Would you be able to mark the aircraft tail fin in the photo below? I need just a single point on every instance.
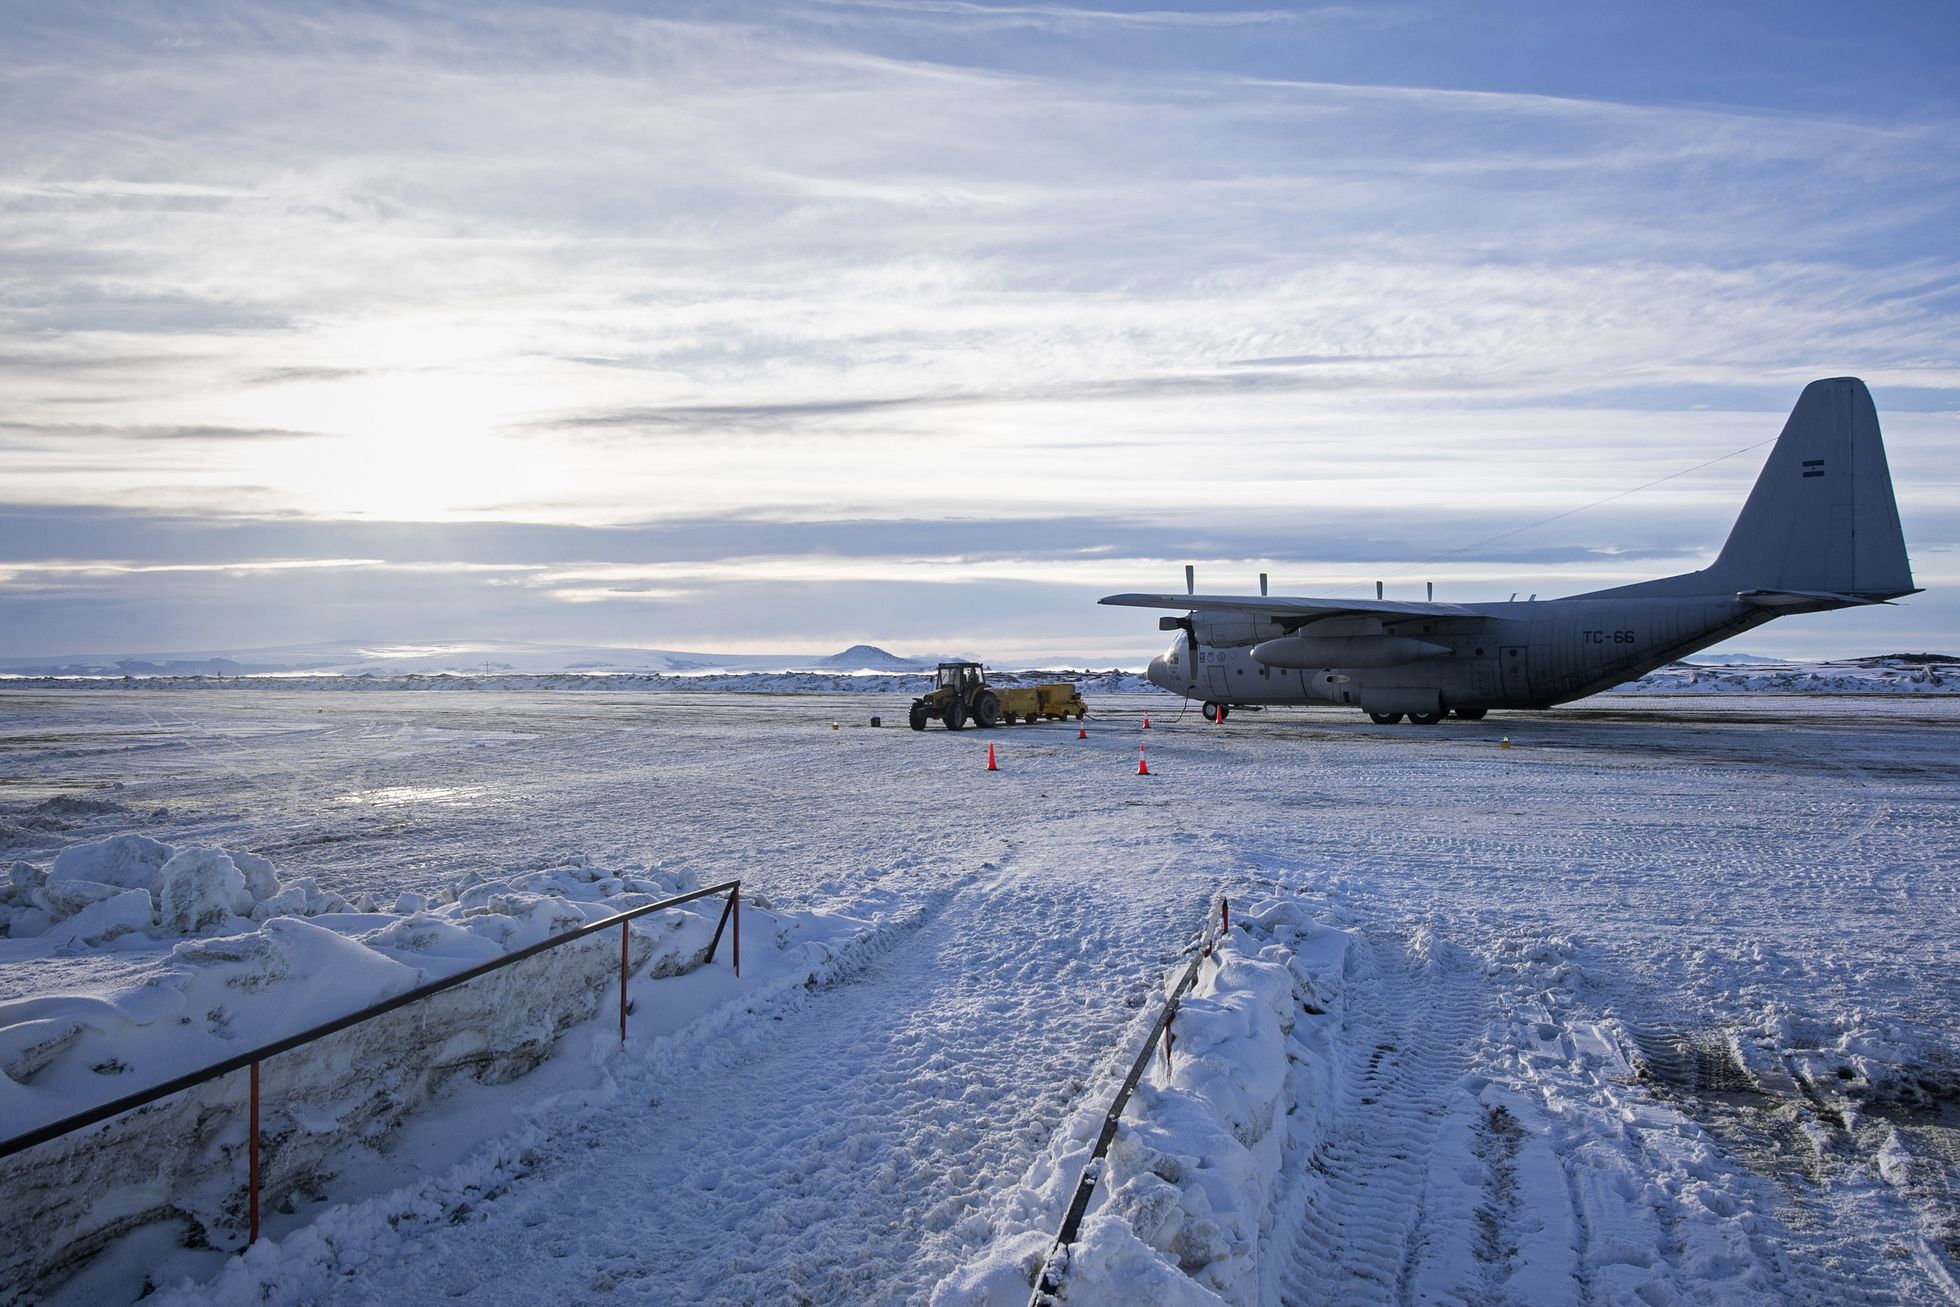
(1821, 520)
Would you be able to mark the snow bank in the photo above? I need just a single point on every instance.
(265, 960)
(104, 889)
(694, 1019)
(1893, 674)
(1188, 1188)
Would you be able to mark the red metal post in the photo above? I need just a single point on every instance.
(736, 893)
(622, 981)
(252, 1153)
(1225, 915)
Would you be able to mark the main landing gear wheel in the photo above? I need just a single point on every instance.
(1424, 718)
(918, 717)
(986, 708)
(1470, 714)
(1384, 718)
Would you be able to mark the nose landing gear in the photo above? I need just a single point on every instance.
(1216, 712)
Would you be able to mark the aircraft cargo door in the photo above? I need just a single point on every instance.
(1220, 680)
(1510, 661)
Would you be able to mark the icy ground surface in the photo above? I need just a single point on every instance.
(1654, 1005)
(878, 674)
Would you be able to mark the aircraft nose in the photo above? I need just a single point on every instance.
(1159, 674)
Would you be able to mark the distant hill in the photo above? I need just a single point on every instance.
(1709, 659)
(463, 657)
(870, 658)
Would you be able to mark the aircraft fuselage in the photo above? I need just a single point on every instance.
(1501, 655)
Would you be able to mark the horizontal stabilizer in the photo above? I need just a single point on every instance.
(1808, 600)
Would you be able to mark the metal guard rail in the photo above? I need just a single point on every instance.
(144, 1097)
(1049, 1283)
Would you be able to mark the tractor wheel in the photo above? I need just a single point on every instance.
(986, 708)
(1007, 719)
(919, 716)
(954, 716)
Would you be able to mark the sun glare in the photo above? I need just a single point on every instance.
(422, 443)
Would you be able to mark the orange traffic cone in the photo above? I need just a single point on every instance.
(1081, 732)
(1146, 721)
(1143, 768)
(990, 759)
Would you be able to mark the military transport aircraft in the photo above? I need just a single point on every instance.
(1819, 531)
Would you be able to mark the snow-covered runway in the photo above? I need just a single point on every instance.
(1656, 1001)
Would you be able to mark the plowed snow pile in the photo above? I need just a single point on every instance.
(234, 985)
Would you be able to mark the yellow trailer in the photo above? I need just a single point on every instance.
(1055, 701)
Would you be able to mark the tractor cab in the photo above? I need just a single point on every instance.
(961, 678)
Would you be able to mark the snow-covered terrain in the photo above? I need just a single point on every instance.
(1645, 999)
(1891, 674)
(907, 684)
(865, 670)
(457, 657)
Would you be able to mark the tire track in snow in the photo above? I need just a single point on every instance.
(1412, 1012)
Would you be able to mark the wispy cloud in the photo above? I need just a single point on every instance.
(866, 263)
(70, 432)
(1075, 16)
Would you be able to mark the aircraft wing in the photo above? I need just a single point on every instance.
(1285, 609)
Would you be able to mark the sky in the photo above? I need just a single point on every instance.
(925, 323)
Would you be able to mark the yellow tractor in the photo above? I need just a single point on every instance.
(960, 693)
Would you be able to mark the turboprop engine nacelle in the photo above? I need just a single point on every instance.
(1223, 630)
(1304, 651)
